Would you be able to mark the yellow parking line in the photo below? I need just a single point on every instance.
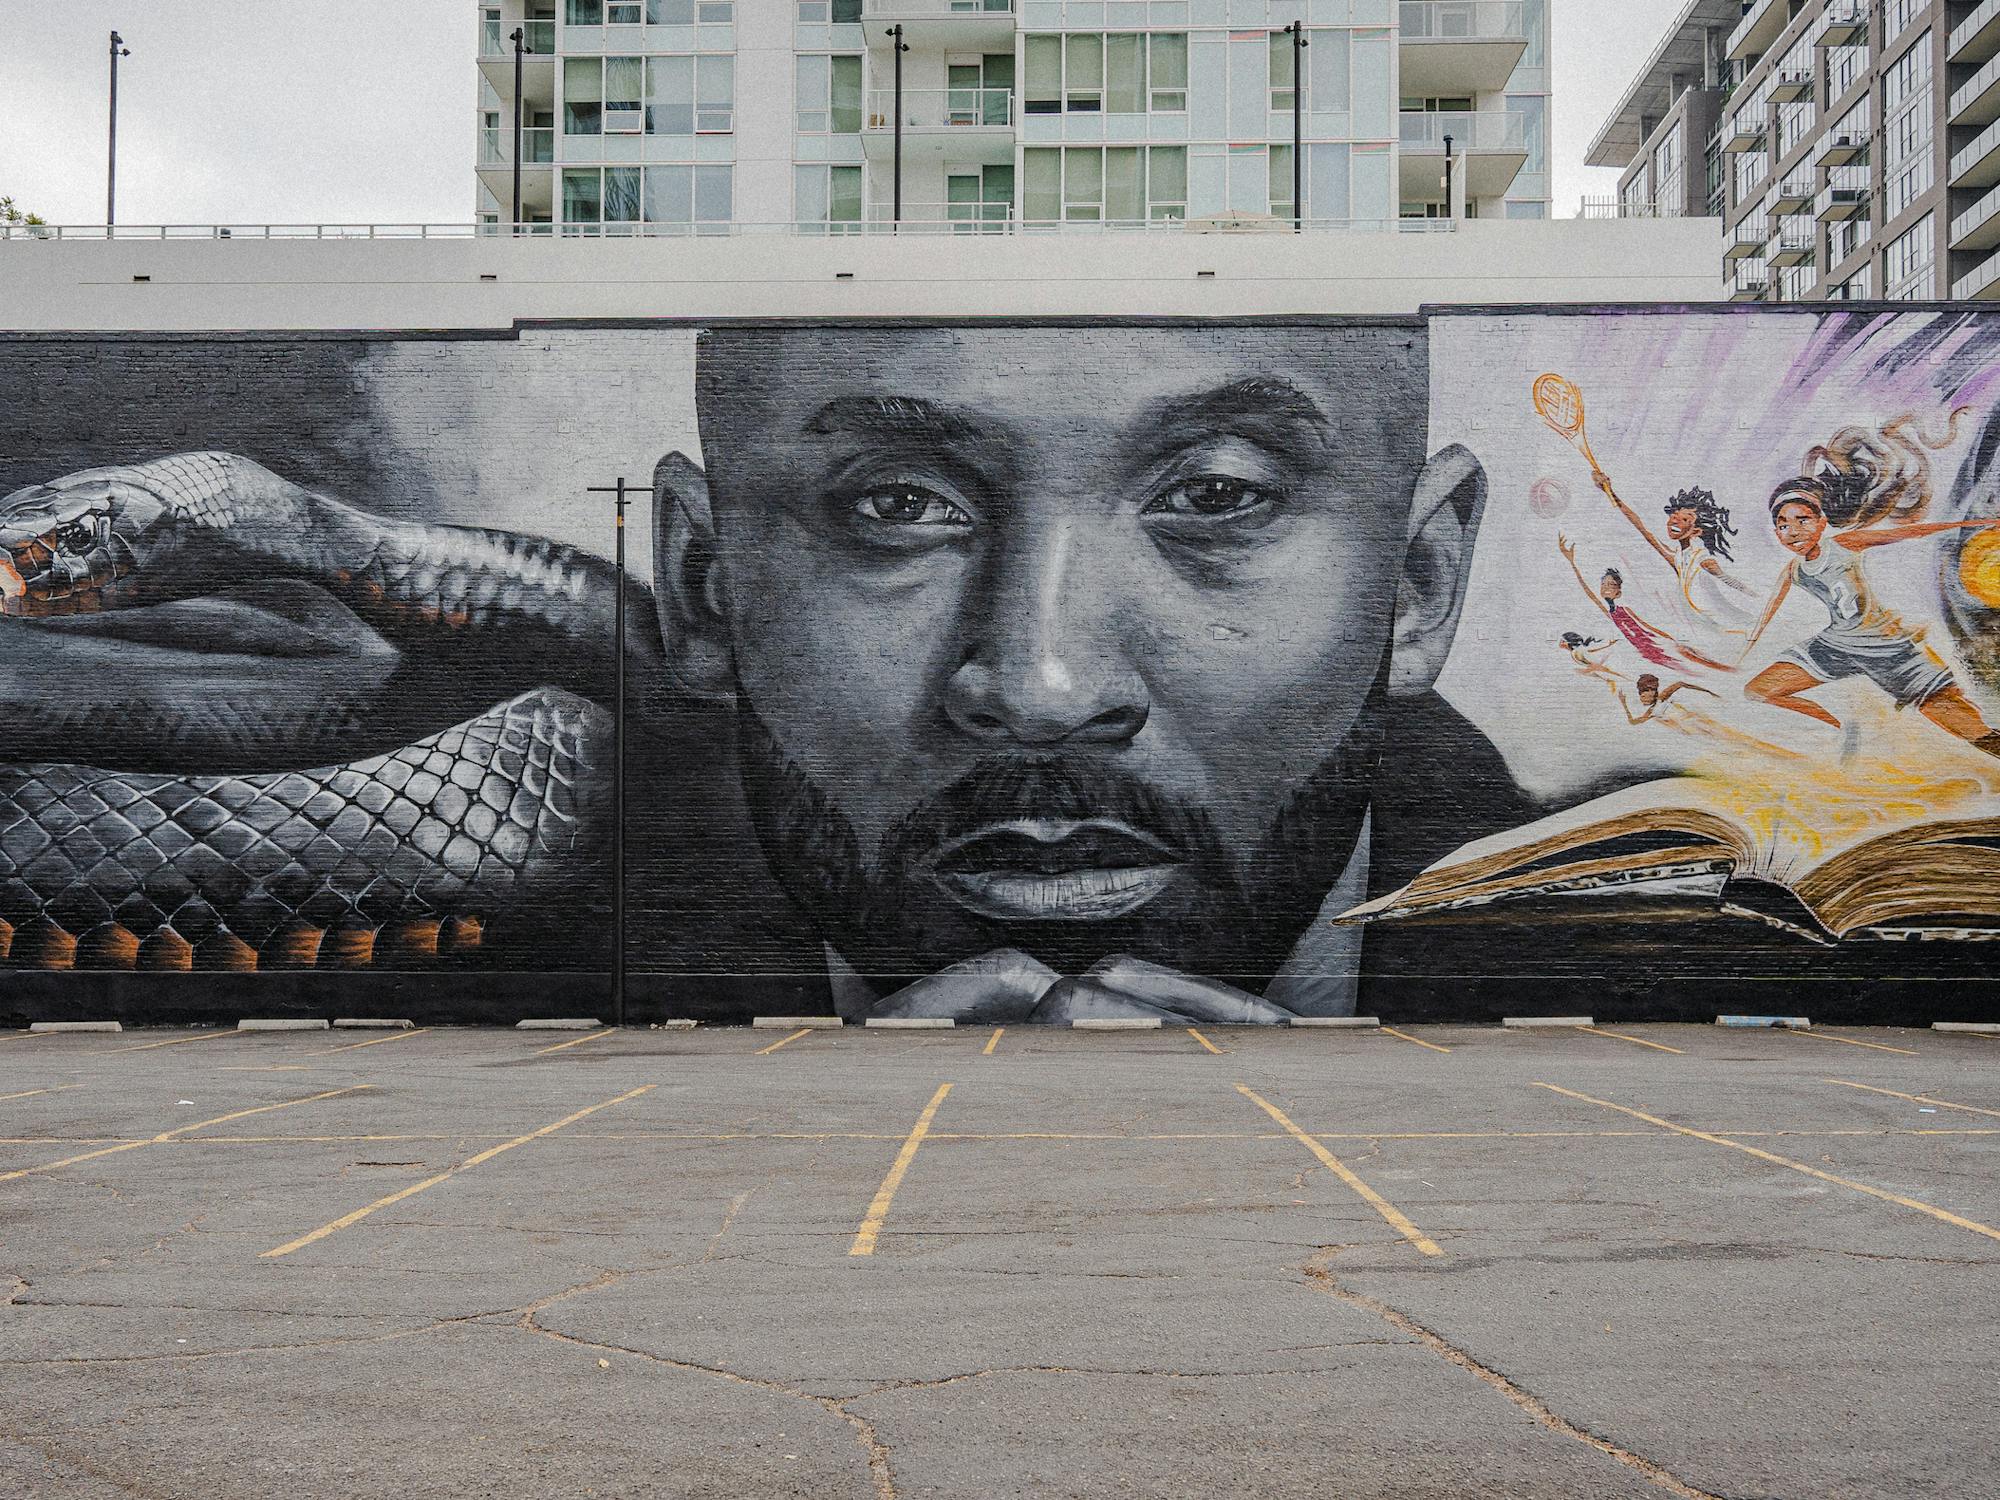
(345, 1220)
(180, 1041)
(175, 1134)
(1204, 1041)
(1971, 1109)
(992, 1041)
(1392, 1031)
(373, 1041)
(26, 1036)
(1784, 1161)
(266, 1068)
(1623, 1037)
(1828, 1036)
(1340, 1169)
(786, 1041)
(878, 1210)
(575, 1041)
(30, 1093)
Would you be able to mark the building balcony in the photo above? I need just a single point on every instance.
(1841, 150)
(943, 218)
(1489, 146)
(1794, 195)
(538, 75)
(1460, 47)
(1844, 23)
(1747, 130)
(1981, 283)
(1792, 86)
(1977, 162)
(954, 25)
(538, 146)
(1977, 100)
(1749, 282)
(1977, 37)
(968, 125)
(1760, 27)
(1795, 244)
(495, 39)
(1977, 226)
(1844, 197)
(1747, 239)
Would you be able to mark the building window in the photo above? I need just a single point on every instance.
(1845, 67)
(618, 200)
(1669, 184)
(1908, 133)
(827, 199)
(1910, 262)
(840, 12)
(688, 94)
(1118, 72)
(1897, 16)
(1116, 184)
(653, 12)
(828, 94)
(603, 95)
(1747, 174)
(1527, 210)
(1844, 237)
(1712, 179)
(1857, 288)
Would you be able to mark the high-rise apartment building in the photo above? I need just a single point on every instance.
(1851, 147)
(692, 116)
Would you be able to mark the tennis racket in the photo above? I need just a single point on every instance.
(1560, 404)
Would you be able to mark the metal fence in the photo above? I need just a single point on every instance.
(929, 224)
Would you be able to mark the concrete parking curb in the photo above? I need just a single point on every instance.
(677, 1023)
(47, 1026)
(280, 1023)
(372, 1023)
(558, 1023)
(796, 1023)
(1787, 1023)
(1977, 1028)
(1523, 1023)
(1122, 1023)
(910, 1023)
(1352, 1022)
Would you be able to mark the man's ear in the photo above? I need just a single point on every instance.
(1444, 521)
(687, 580)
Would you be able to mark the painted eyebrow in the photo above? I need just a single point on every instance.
(1261, 406)
(904, 417)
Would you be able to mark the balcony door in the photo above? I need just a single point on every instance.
(979, 89)
(980, 201)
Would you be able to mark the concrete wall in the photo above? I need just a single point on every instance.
(200, 285)
(1225, 670)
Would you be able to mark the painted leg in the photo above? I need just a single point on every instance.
(1780, 683)
(1953, 712)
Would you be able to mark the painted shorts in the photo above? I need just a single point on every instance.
(1901, 667)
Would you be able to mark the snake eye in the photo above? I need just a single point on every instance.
(77, 536)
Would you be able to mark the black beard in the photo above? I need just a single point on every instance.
(1226, 919)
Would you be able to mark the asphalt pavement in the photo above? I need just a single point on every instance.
(1435, 1261)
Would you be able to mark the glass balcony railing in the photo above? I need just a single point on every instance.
(538, 145)
(941, 109)
(1474, 130)
(1462, 21)
(496, 38)
(931, 9)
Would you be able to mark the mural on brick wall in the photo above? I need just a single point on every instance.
(1020, 673)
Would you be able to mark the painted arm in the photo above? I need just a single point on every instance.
(1727, 580)
(1630, 717)
(1604, 484)
(1883, 536)
(1568, 549)
(1782, 588)
(1693, 687)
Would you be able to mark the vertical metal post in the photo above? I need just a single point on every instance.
(895, 33)
(1299, 44)
(1450, 208)
(118, 50)
(621, 489)
(520, 41)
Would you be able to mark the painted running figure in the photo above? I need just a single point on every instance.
(1654, 644)
(1862, 637)
(1587, 651)
(1684, 719)
(1699, 529)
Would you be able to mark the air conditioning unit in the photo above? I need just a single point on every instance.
(622, 119)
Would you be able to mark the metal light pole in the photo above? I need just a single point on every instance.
(621, 489)
(1450, 209)
(519, 39)
(900, 47)
(118, 50)
(1297, 32)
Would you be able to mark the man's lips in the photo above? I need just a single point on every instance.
(1055, 869)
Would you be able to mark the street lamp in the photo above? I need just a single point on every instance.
(521, 47)
(895, 34)
(1450, 210)
(118, 50)
(1297, 32)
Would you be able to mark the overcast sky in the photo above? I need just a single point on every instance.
(360, 111)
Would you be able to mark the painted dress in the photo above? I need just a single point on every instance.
(1705, 593)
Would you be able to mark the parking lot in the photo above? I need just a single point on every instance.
(724, 1262)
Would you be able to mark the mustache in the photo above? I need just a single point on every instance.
(1001, 789)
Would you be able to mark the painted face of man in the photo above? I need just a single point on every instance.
(1068, 640)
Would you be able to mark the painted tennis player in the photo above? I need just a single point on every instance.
(1863, 638)
(1651, 642)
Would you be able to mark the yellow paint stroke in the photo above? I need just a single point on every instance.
(1392, 1031)
(178, 1131)
(373, 1041)
(878, 1210)
(30, 1093)
(346, 1220)
(1204, 1041)
(1828, 1036)
(1971, 1109)
(180, 1041)
(576, 1041)
(786, 1041)
(1628, 1037)
(1393, 1215)
(993, 1041)
(1943, 1215)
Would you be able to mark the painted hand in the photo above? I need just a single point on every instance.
(1007, 987)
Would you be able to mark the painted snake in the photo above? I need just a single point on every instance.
(200, 611)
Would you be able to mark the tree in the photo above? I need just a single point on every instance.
(9, 214)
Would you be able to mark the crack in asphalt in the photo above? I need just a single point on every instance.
(84, 1361)
(1319, 1274)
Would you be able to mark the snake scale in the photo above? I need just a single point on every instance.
(137, 855)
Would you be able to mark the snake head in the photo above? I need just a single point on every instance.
(64, 545)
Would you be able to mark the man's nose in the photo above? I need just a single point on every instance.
(1044, 661)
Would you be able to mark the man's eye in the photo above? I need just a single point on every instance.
(909, 505)
(1210, 495)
